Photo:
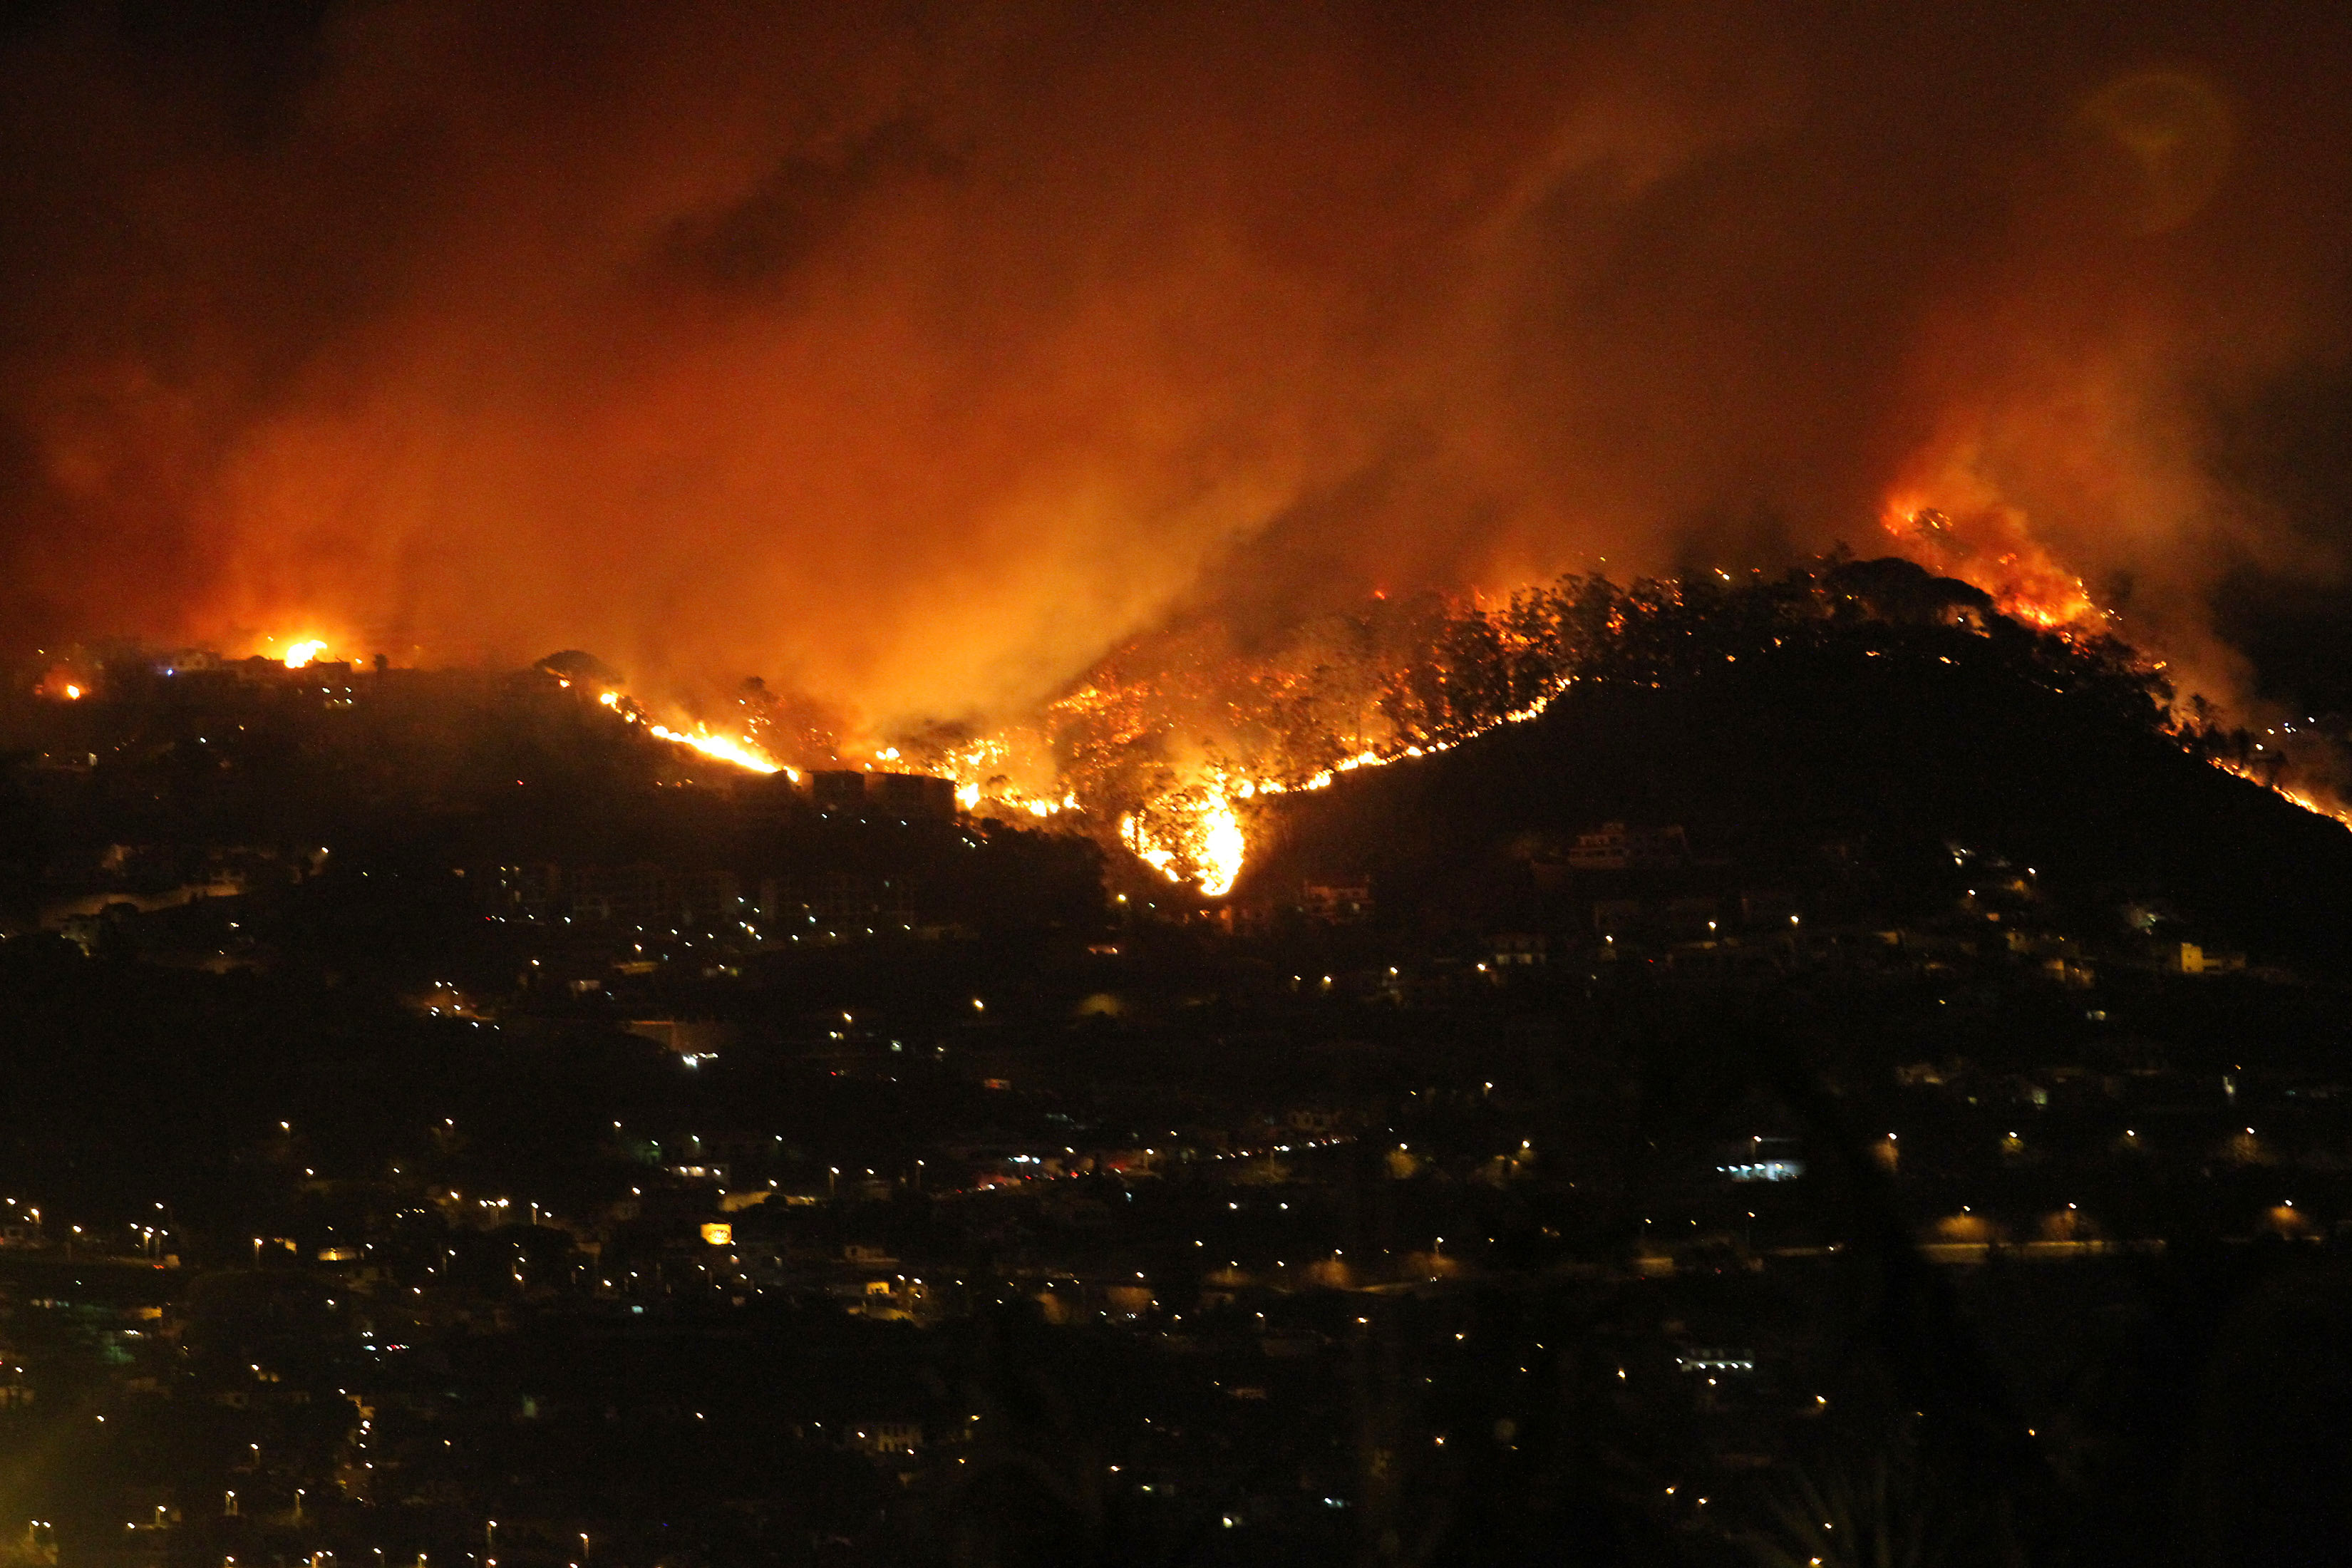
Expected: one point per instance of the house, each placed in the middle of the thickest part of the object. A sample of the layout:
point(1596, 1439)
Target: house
point(888, 1436)
point(1521, 950)
point(1335, 904)
point(1617, 848)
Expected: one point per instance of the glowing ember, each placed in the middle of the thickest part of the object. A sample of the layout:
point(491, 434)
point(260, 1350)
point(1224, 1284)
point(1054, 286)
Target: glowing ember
point(303, 653)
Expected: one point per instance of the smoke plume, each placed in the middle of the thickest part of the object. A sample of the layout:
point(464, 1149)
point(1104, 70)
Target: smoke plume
point(915, 356)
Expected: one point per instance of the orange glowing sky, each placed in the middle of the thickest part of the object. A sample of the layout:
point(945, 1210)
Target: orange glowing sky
point(915, 358)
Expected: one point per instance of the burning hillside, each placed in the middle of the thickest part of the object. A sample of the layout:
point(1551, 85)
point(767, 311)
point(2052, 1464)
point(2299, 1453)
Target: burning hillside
point(1853, 766)
point(1135, 417)
point(1179, 742)
point(1173, 748)
point(1196, 753)
point(921, 363)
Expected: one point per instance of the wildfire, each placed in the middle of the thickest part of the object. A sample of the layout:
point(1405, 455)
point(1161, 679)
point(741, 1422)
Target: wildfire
point(1223, 847)
point(1177, 753)
point(1116, 754)
point(982, 770)
point(2311, 804)
point(727, 750)
point(1990, 546)
point(742, 754)
point(1987, 543)
point(1194, 833)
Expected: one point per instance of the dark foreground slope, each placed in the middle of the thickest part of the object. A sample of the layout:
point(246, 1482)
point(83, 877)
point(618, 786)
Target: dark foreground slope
point(1874, 746)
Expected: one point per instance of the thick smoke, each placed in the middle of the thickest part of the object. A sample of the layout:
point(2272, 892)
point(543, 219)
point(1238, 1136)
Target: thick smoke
point(914, 356)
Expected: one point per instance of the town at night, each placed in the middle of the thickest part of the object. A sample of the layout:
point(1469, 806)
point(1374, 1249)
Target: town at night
point(1026, 784)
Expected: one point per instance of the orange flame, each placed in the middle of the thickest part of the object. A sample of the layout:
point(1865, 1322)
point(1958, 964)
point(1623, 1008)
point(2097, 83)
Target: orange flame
point(1989, 546)
point(740, 752)
point(1194, 832)
point(726, 749)
point(2309, 803)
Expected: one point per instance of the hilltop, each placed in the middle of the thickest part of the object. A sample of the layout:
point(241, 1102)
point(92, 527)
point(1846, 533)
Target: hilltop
point(1842, 766)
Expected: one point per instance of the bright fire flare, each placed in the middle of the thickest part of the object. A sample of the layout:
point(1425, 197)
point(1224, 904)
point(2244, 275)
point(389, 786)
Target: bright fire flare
point(304, 652)
point(1223, 847)
point(725, 747)
point(1195, 834)
point(742, 754)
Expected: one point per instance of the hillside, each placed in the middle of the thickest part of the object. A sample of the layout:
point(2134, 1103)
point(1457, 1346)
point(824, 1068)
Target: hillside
point(1862, 752)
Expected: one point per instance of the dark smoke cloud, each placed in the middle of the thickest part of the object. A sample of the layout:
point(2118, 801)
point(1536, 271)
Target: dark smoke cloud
point(916, 355)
